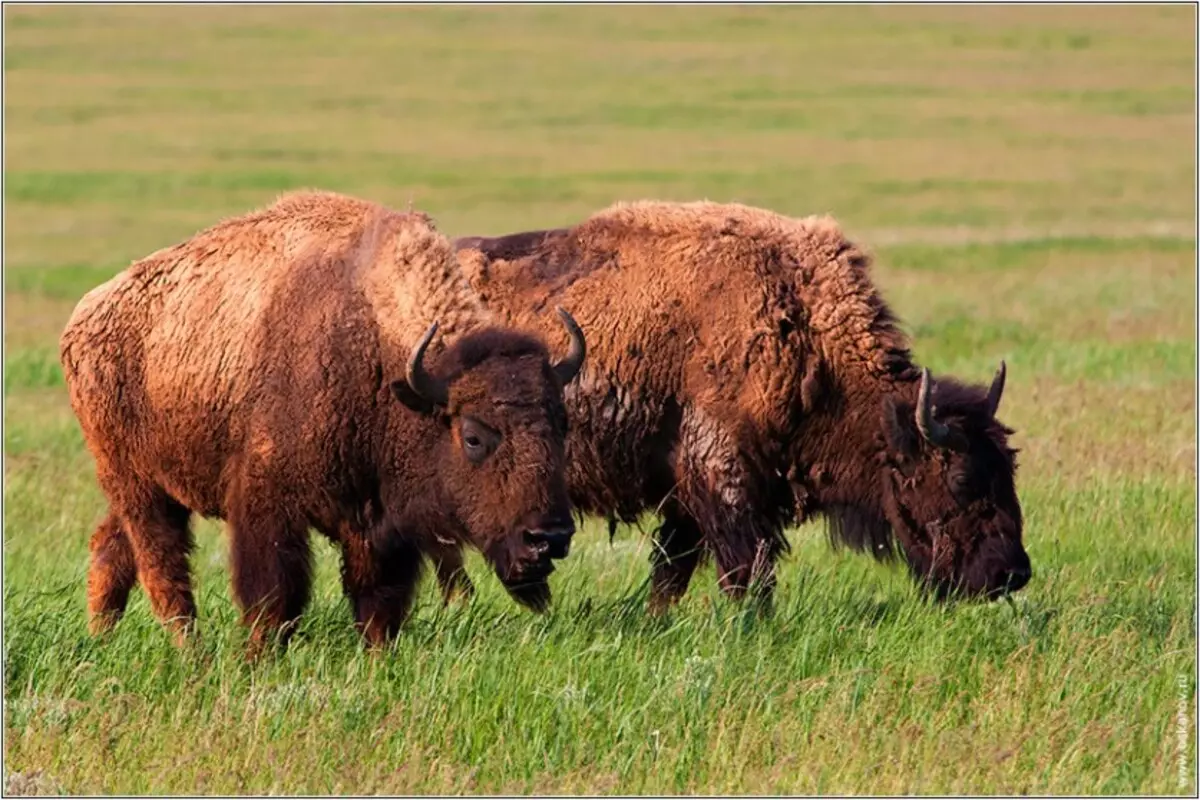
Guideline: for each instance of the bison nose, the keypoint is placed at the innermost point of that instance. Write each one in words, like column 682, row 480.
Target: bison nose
column 1017, row 577
column 557, row 540
column 1017, row 573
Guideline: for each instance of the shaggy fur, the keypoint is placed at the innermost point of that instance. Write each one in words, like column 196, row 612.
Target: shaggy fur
column 744, row 373
column 252, row 373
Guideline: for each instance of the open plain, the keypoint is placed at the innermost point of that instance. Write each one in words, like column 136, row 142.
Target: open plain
column 1025, row 179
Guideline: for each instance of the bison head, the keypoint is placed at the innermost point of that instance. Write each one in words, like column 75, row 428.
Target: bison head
column 948, row 489
column 502, row 463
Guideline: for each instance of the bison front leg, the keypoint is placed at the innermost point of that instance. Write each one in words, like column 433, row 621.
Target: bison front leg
column 729, row 501
column 271, row 563
column 380, row 579
column 451, row 574
column 746, row 564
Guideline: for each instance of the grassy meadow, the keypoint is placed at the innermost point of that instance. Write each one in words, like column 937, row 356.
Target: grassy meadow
column 1025, row 177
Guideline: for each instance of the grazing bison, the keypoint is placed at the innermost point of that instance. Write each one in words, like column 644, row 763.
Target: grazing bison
column 271, row 371
column 744, row 373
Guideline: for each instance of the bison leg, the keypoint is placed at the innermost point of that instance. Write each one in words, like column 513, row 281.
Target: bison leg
column 111, row 575
column 380, row 583
column 727, row 496
column 157, row 527
column 742, row 568
column 271, row 563
column 452, row 576
column 677, row 550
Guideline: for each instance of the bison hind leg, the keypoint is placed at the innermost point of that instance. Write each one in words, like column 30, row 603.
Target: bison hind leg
column 111, row 574
column 157, row 529
column 678, row 547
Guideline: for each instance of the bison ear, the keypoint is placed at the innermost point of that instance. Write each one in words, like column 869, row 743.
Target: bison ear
column 405, row 394
column 901, row 433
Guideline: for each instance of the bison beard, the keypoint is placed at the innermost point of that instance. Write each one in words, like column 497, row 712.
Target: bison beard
column 745, row 374
column 244, row 374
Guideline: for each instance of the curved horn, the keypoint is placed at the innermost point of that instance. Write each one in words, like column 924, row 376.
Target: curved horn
column 420, row 381
column 569, row 367
column 996, row 390
column 937, row 433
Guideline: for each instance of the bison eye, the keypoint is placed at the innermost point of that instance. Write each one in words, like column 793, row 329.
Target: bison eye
column 478, row 440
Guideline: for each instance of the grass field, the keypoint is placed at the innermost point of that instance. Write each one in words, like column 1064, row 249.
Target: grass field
column 1025, row 177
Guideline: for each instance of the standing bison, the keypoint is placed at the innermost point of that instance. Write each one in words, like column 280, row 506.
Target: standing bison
column 272, row 371
column 745, row 374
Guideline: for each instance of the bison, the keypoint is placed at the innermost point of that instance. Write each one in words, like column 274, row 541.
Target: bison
column 271, row 371
column 745, row 374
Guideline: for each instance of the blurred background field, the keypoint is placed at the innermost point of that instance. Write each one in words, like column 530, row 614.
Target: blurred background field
column 1026, row 179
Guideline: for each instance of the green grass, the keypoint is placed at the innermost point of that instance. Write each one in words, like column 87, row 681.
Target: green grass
column 1024, row 177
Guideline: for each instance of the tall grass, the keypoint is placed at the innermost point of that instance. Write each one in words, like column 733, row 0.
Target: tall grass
column 1025, row 178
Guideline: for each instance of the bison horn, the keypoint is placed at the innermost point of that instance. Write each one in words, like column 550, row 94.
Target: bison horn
column 419, row 380
column 996, row 390
column 935, row 432
column 568, row 368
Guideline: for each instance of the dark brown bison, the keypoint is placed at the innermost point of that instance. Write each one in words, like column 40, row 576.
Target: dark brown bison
column 252, row 373
column 745, row 374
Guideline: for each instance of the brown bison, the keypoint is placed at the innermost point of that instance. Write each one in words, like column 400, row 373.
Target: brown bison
column 271, row 371
column 745, row 374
